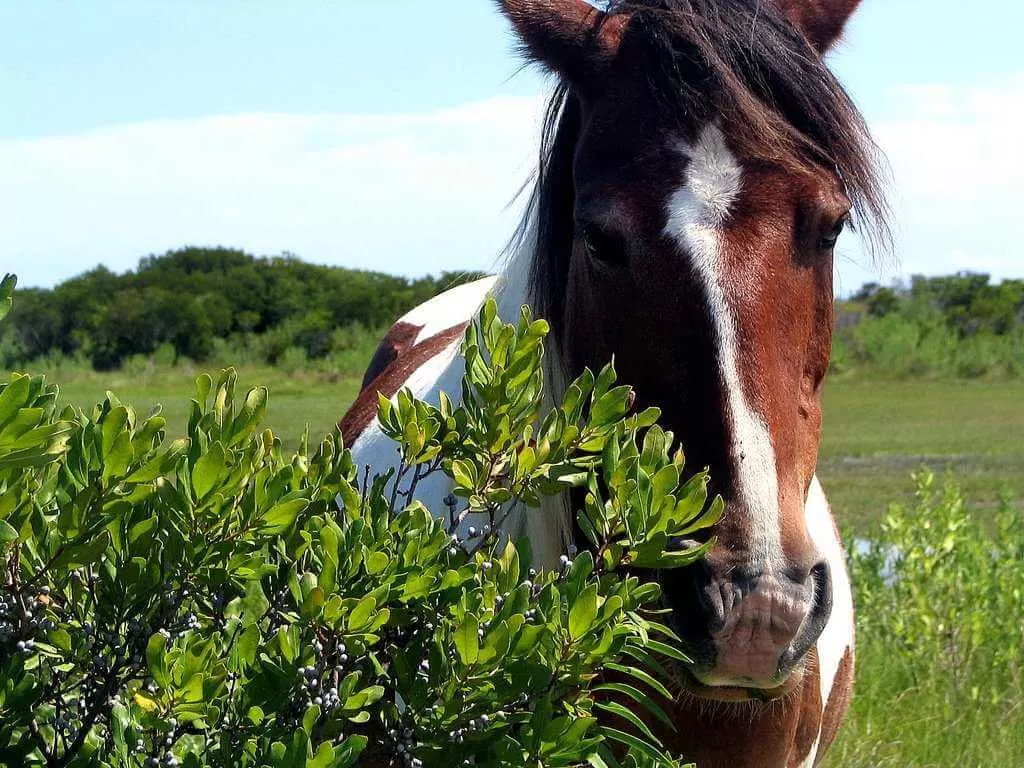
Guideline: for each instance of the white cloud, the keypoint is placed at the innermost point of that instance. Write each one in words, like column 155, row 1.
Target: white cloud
column 421, row 193
column 406, row 193
column 958, row 175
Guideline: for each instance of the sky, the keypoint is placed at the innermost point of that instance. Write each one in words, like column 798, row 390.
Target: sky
column 394, row 135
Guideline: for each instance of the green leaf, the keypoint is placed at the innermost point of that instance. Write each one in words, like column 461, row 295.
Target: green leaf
column 13, row 397
column 119, row 457
column 204, row 383
column 617, row 709
column 323, row 758
column 250, row 416
column 159, row 465
column 156, row 659
column 633, row 742
column 362, row 613
column 377, row 563
column 85, row 553
column 641, row 698
column 250, row 607
column 281, row 517
column 642, row 676
column 143, row 528
column 611, row 407
column 309, row 720
column 209, row 470
column 467, row 640
column 583, row 612
column 7, row 286
column 7, row 533
column 667, row 650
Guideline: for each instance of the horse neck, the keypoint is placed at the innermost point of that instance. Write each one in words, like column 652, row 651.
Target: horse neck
column 549, row 528
column 513, row 289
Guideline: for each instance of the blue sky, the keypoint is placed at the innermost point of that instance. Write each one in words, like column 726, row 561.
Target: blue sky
column 392, row 134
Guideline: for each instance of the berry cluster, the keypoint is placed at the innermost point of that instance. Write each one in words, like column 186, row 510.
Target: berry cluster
column 163, row 754
column 25, row 625
column 475, row 725
column 318, row 684
column 402, row 744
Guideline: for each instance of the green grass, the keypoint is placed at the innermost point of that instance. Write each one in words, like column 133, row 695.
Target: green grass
column 298, row 399
column 877, row 432
column 940, row 660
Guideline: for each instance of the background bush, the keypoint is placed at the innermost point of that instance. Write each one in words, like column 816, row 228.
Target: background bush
column 958, row 326
column 940, row 622
column 216, row 602
column 221, row 305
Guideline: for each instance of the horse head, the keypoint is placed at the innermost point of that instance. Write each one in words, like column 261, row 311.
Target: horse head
column 699, row 166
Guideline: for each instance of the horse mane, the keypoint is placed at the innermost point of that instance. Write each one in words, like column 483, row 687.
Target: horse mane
column 741, row 62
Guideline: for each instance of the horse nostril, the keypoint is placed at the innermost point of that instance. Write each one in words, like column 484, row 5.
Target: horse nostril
column 819, row 582
column 714, row 601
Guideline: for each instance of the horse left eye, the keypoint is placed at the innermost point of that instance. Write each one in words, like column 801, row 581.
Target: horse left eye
column 604, row 247
column 829, row 241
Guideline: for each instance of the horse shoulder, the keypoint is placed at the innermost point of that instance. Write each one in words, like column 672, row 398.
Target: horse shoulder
column 414, row 353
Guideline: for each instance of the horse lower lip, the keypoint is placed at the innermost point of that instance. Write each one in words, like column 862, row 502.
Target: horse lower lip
column 739, row 693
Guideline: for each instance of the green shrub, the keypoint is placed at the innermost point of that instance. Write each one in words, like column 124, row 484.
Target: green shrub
column 939, row 625
column 165, row 355
column 139, row 366
column 216, row 602
column 293, row 360
column 961, row 325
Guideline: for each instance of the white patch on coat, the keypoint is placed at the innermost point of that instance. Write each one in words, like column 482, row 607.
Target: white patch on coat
column 442, row 373
column 696, row 213
column 448, row 309
column 812, row 756
column 546, row 527
column 838, row 636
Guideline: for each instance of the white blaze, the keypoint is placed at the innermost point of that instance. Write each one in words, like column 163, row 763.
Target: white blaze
column 696, row 213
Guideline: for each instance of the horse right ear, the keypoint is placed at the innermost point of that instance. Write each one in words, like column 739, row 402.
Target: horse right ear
column 570, row 37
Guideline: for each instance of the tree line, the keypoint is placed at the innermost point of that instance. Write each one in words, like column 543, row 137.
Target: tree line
column 963, row 325
column 195, row 302
column 968, row 303
column 188, row 299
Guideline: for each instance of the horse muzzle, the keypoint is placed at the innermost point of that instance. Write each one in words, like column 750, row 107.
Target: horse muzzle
column 749, row 630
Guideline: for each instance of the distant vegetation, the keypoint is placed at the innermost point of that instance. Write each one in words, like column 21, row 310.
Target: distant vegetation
column 963, row 325
column 226, row 306
column 194, row 302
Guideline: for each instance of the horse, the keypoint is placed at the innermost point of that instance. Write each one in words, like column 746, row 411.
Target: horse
column 698, row 163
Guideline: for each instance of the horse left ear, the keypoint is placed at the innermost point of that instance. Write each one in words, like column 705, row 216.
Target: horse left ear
column 570, row 37
column 821, row 21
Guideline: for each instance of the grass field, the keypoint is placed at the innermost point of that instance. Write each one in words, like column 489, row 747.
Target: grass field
column 296, row 399
column 876, row 432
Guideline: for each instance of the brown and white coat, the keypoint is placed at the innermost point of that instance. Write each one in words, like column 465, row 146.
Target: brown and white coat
column 698, row 165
